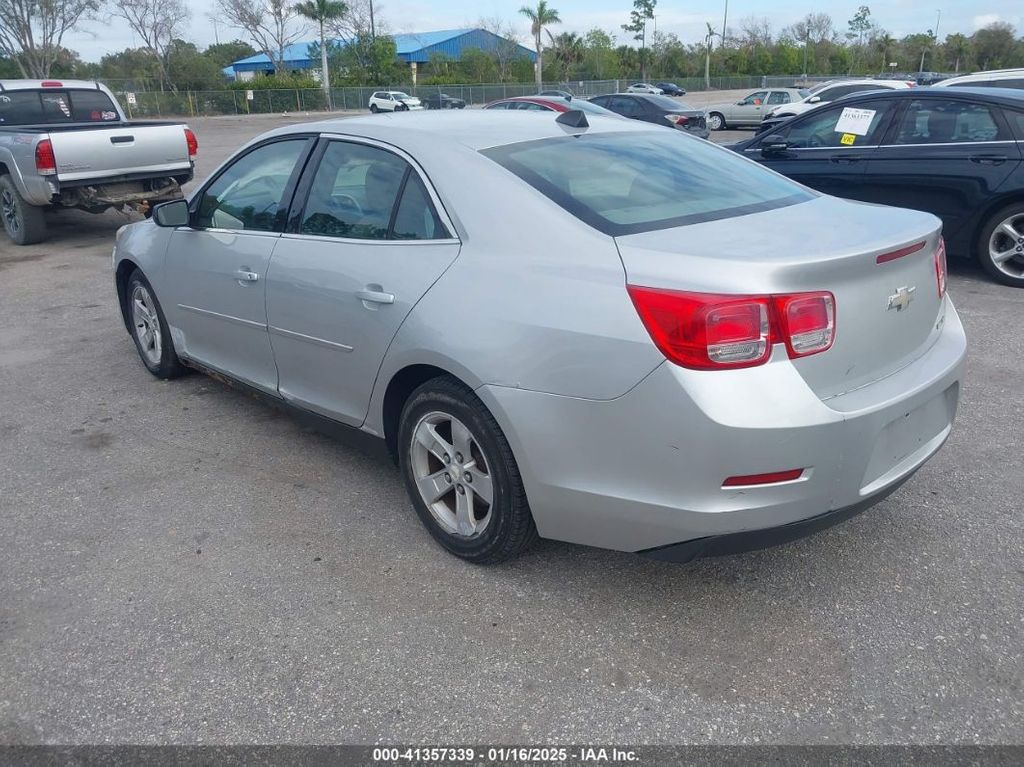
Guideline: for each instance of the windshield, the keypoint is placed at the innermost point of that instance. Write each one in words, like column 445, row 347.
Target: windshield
column 592, row 109
column 624, row 183
column 400, row 95
column 668, row 104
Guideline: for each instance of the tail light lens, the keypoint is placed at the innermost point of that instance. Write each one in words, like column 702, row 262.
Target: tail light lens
column 940, row 267
column 46, row 163
column 707, row 331
column 807, row 322
column 677, row 119
column 193, row 143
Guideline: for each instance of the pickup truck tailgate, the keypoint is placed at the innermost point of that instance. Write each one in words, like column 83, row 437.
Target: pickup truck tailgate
column 99, row 153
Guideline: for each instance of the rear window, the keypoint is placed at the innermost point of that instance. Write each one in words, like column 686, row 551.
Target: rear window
column 624, row 183
column 667, row 103
column 50, row 106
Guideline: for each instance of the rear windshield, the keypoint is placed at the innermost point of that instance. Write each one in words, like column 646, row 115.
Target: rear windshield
column 624, row 183
column 54, row 106
column 667, row 103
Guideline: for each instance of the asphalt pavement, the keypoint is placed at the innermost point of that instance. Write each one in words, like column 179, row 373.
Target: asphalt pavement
column 180, row 563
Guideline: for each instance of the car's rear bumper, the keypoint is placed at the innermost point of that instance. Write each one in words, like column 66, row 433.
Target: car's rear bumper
column 763, row 538
column 647, row 469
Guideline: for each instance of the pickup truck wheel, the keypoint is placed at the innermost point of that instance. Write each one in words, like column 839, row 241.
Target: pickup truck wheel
column 149, row 329
column 24, row 223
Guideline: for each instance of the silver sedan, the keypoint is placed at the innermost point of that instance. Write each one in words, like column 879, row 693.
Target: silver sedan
column 563, row 326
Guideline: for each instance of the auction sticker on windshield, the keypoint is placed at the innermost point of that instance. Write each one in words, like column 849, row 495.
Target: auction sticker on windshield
column 855, row 121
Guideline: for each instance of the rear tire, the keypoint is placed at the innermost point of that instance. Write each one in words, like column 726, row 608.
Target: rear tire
column 149, row 329
column 461, row 475
column 1000, row 246
column 25, row 224
column 716, row 121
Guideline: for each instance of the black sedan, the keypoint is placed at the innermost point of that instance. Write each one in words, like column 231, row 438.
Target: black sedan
column 670, row 89
column 442, row 101
column 954, row 152
column 660, row 110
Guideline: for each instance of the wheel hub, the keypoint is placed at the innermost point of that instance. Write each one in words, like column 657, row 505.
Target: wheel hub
column 1006, row 246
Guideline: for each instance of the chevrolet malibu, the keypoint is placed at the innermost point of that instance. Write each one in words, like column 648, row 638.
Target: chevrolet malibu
column 563, row 326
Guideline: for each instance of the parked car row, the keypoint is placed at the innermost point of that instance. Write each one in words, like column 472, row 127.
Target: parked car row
column 955, row 152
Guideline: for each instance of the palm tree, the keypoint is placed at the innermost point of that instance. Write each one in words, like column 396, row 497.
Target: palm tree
column 539, row 18
column 568, row 50
column 884, row 44
column 957, row 45
column 323, row 12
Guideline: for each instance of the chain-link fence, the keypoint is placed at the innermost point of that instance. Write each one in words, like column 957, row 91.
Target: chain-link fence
column 157, row 104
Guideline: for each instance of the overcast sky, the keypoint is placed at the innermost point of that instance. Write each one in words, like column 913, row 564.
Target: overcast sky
column 900, row 17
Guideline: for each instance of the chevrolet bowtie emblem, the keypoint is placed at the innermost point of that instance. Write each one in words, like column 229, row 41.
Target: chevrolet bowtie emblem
column 901, row 299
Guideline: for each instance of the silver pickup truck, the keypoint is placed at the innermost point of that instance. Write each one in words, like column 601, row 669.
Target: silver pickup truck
column 68, row 144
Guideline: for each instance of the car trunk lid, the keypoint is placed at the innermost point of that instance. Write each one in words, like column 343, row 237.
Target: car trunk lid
column 887, row 306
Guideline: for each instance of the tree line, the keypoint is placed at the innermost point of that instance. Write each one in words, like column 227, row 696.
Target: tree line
column 32, row 35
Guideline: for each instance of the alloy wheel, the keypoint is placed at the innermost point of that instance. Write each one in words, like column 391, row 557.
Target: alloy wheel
column 9, row 210
column 452, row 474
column 147, row 325
column 1006, row 246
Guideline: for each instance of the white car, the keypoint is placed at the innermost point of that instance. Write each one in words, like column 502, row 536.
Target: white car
column 644, row 88
column 832, row 91
column 393, row 101
column 996, row 78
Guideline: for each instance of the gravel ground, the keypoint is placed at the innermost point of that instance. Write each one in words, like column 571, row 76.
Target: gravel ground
column 182, row 564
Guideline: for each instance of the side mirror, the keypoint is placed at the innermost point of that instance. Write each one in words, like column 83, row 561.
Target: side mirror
column 774, row 145
column 814, row 100
column 171, row 214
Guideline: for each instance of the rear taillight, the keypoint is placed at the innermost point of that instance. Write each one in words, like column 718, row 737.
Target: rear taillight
column 706, row 331
column 192, row 141
column 677, row 119
column 940, row 267
column 807, row 322
column 46, row 163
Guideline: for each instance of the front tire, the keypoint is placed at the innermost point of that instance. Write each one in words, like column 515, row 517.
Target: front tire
column 1000, row 247
column 461, row 475
column 374, row 108
column 149, row 329
column 25, row 224
column 716, row 121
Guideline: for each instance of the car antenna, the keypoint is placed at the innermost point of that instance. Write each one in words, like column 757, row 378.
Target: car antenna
column 574, row 118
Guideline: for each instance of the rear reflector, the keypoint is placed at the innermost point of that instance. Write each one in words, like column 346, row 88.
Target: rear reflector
column 46, row 163
column 887, row 257
column 192, row 141
column 940, row 266
column 771, row 478
column 709, row 331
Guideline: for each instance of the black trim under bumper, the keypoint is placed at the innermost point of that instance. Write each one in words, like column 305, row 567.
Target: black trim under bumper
column 752, row 540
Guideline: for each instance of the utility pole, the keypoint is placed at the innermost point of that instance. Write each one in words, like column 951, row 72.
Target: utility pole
column 935, row 38
column 725, row 20
column 373, row 28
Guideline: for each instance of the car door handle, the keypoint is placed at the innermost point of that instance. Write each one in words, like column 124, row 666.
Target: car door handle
column 243, row 275
column 989, row 159
column 843, row 160
column 375, row 296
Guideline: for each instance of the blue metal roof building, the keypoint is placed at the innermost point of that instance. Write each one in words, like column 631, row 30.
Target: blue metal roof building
column 412, row 48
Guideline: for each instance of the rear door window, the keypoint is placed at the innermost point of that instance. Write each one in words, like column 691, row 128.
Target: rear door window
column 934, row 121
